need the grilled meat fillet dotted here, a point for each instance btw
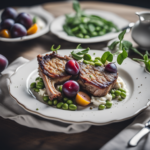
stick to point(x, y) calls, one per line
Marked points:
point(96, 80)
point(52, 71)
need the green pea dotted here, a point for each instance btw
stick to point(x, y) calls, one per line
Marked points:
point(123, 95)
point(60, 88)
point(80, 35)
point(117, 92)
point(72, 107)
point(36, 89)
point(98, 58)
point(122, 90)
point(50, 102)
point(59, 105)
point(119, 99)
point(39, 87)
point(108, 104)
point(69, 101)
point(85, 61)
point(37, 78)
point(75, 29)
point(98, 64)
point(107, 100)
point(101, 107)
point(55, 102)
point(65, 99)
point(65, 106)
point(112, 91)
point(33, 85)
point(113, 96)
point(88, 62)
point(45, 98)
point(87, 57)
point(86, 36)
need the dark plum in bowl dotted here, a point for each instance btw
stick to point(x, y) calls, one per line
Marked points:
point(18, 30)
point(9, 13)
point(24, 19)
point(3, 63)
point(7, 24)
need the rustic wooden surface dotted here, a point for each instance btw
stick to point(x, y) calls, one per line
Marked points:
point(16, 137)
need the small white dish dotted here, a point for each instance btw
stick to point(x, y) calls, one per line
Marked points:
point(57, 27)
point(44, 17)
point(138, 99)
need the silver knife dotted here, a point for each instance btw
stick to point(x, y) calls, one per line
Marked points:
point(134, 141)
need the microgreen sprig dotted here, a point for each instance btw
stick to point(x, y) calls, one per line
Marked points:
point(58, 47)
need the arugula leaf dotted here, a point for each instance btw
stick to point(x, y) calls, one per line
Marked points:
point(106, 56)
point(121, 35)
point(113, 45)
point(122, 56)
point(58, 47)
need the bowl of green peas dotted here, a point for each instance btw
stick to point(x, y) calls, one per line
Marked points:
point(88, 26)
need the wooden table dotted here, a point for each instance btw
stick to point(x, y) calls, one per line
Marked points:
point(17, 137)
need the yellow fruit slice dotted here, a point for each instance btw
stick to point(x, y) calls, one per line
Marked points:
point(33, 29)
point(82, 99)
point(5, 33)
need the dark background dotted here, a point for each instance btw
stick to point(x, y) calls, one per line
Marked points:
point(6, 3)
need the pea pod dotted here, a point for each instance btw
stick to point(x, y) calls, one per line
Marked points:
point(83, 30)
point(80, 35)
point(75, 29)
point(72, 107)
point(106, 56)
point(59, 105)
point(86, 36)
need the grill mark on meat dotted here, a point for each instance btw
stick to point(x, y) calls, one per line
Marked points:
point(53, 65)
point(96, 80)
point(52, 71)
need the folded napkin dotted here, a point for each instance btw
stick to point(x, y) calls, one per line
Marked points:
point(9, 109)
point(120, 142)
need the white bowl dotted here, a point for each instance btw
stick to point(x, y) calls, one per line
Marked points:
point(57, 27)
point(45, 17)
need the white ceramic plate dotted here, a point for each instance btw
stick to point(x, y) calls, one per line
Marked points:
point(44, 17)
point(57, 27)
point(136, 79)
